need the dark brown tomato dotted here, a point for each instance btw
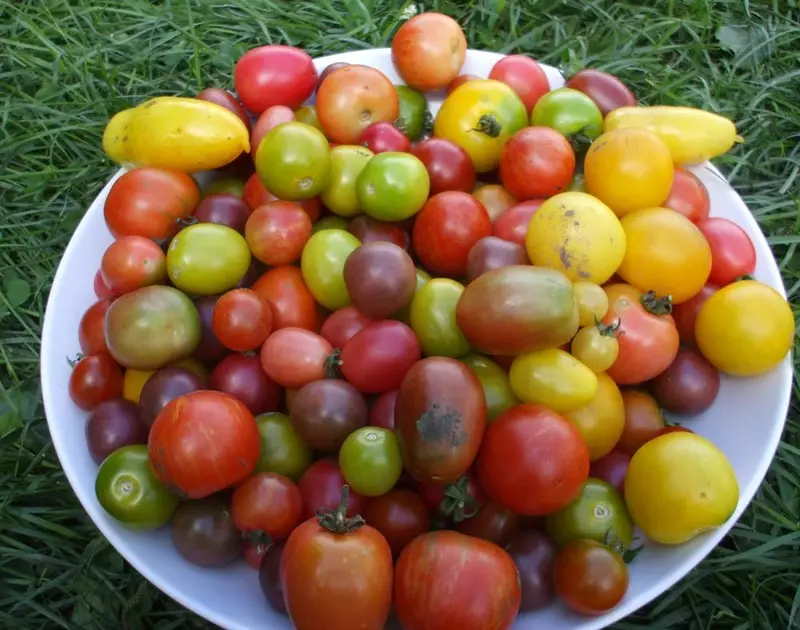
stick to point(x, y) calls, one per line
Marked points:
point(400, 515)
point(341, 325)
point(513, 224)
point(226, 100)
point(534, 554)
point(612, 469)
point(223, 209)
point(492, 252)
point(440, 418)
point(269, 577)
point(203, 532)
point(449, 166)
point(590, 578)
point(380, 278)
point(643, 420)
point(325, 412)
point(91, 330)
point(242, 376)
point(688, 386)
point(381, 414)
point(165, 386)
point(210, 350)
point(369, 230)
point(493, 522)
point(606, 90)
point(113, 424)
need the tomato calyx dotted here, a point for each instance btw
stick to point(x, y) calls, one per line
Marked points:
point(580, 142)
point(336, 521)
point(657, 305)
point(401, 124)
point(746, 276)
point(78, 358)
point(609, 330)
point(427, 123)
point(458, 504)
point(489, 125)
point(333, 364)
point(262, 541)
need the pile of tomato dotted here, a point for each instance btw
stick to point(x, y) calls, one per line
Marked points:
point(410, 362)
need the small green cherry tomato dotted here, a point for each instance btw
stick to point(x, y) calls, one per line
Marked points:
point(293, 161)
point(282, 450)
point(329, 223)
point(569, 112)
point(423, 278)
point(370, 461)
point(433, 319)
point(347, 162)
point(207, 259)
point(494, 381)
point(128, 490)
point(413, 105)
point(393, 186)
point(322, 264)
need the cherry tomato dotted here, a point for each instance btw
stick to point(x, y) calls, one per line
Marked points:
point(227, 100)
point(611, 468)
point(322, 263)
point(643, 420)
point(342, 325)
point(91, 330)
point(554, 378)
point(380, 137)
point(512, 225)
point(495, 199)
point(688, 386)
point(393, 186)
point(496, 387)
point(133, 262)
point(340, 195)
point(685, 315)
point(268, 505)
point(274, 75)
point(277, 232)
point(606, 90)
point(688, 196)
point(241, 320)
point(381, 413)
point(269, 119)
point(242, 377)
point(491, 253)
point(432, 318)
point(163, 387)
point(369, 230)
point(602, 421)
point(256, 195)
point(95, 379)
point(370, 461)
point(100, 289)
point(524, 76)
point(293, 357)
point(321, 489)
point(448, 165)
point(414, 115)
point(380, 278)
point(113, 424)
point(269, 577)
point(400, 515)
point(223, 209)
point(493, 522)
point(328, 69)
point(589, 577)
point(732, 251)
point(534, 555)
point(569, 112)
point(596, 346)
point(592, 302)
point(537, 162)
point(290, 301)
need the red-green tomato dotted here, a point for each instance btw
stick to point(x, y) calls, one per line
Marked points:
point(347, 162)
point(370, 461)
point(393, 186)
point(322, 264)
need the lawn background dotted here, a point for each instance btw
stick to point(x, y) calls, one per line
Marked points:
point(66, 67)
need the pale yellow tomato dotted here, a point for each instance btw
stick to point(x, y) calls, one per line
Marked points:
point(592, 302)
point(602, 421)
point(596, 346)
point(115, 136)
point(552, 378)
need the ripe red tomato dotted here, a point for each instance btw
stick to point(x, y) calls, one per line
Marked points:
point(277, 232)
point(454, 501)
point(590, 578)
point(523, 75)
point(293, 357)
point(274, 75)
point(256, 195)
point(493, 522)
point(267, 504)
point(381, 413)
point(92, 329)
point(685, 314)
point(379, 356)
point(204, 442)
point(449, 166)
point(150, 202)
point(342, 325)
point(400, 515)
point(95, 379)
point(369, 230)
point(133, 262)
point(688, 196)
point(445, 230)
point(732, 251)
point(226, 100)
point(446, 580)
point(321, 489)
point(537, 162)
point(241, 320)
point(269, 118)
point(532, 460)
point(380, 137)
point(100, 289)
point(289, 298)
point(648, 340)
point(512, 225)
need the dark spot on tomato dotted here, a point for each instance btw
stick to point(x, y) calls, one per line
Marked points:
point(436, 425)
point(569, 213)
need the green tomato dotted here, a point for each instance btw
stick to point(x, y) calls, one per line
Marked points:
point(569, 112)
point(330, 223)
point(413, 105)
point(308, 114)
point(322, 264)
point(423, 278)
point(598, 513)
point(433, 319)
point(393, 186)
point(128, 490)
point(282, 450)
point(494, 381)
point(293, 161)
point(347, 162)
point(370, 461)
point(225, 186)
point(206, 259)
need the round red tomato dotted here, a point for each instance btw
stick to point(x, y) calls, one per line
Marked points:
point(269, 118)
point(446, 580)
point(204, 442)
point(289, 298)
point(94, 380)
point(493, 522)
point(91, 330)
point(532, 460)
point(688, 196)
point(277, 232)
point(445, 230)
point(342, 325)
point(293, 357)
point(380, 137)
point(732, 251)
point(274, 75)
point(454, 501)
point(590, 578)
point(685, 314)
point(537, 162)
point(523, 75)
point(268, 506)
point(449, 166)
point(150, 202)
point(256, 195)
point(512, 225)
point(101, 290)
point(400, 515)
point(131, 263)
point(241, 320)
point(321, 489)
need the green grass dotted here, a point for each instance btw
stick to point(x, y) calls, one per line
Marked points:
point(67, 65)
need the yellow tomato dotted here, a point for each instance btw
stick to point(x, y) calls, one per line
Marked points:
point(115, 136)
point(679, 485)
point(745, 329)
point(578, 235)
point(596, 346)
point(666, 253)
point(480, 116)
point(602, 421)
point(629, 169)
point(552, 378)
point(134, 380)
point(592, 302)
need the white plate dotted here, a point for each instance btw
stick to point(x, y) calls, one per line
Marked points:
point(746, 422)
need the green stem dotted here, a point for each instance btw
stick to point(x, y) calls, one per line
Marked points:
point(657, 305)
point(336, 521)
point(489, 125)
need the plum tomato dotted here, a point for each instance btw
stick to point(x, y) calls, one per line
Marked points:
point(289, 298)
point(643, 420)
point(428, 51)
point(732, 251)
point(226, 100)
point(534, 554)
point(370, 461)
point(325, 412)
point(400, 515)
point(274, 75)
point(685, 315)
point(537, 162)
point(282, 450)
point(223, 209)
point(433, 318)
point(113, 424)
point(256, 195)
point(491, 253)
point(322, 264)
point(242, 377)
point(688, 196)
point(688, 386)
point(606, 90)
point(414, 115)
point(163, 387)
point(266, 507)
point(91, 330)
point(393, 186)
point(449, 166)
point(269, 577)
point(133, 262)
point(94, 379)
point(241, 320)
point(340, 195)
point(554, 378)
point(292, 357)
point(533, 460)
point(570, 113)
point(381, 412)
point(269, 119)
point(512, 225)
point(342, 325)
point(380, 137)
point(202, 443)
point(524, 76)
point(611, 468)
point(277, 232)
point(602, 421)
point(446, 229)
point(321, 489)
point(589, 577)
point(380, 278)
point(496, 199)
point(493, 522)
point(204, 533)
point(494, 380)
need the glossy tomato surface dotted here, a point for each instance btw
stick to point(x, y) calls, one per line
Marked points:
point(274, 75)
point(537, 162)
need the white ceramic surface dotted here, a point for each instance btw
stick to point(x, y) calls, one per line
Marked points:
point(746, 422)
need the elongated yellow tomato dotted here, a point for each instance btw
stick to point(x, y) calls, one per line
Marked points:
point(679, 485)
point(553, 378)
point(115, 136)
point(602, 421)
point(692, 135)
point(186, 134)
point(745, 329)
point(480, 116)
point(578, 235)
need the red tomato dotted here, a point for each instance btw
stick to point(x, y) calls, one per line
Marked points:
point(92, 329)
point(380, 137)
point(523, 75)
point(269, 119)
point(494, 523)
point(95, 379)
point(289, 298)
point(369, 230)
point(242, 376)
point(277, 232)
point(293, 357)
point(429, 50)
point(379, 356)
point(458, 81)
point(131, 263)
point(274, 75)
point(400, 515)
point(204, 442)
point(512, 225)
point(241, 320)
point(537, 162)
point(648, 342)
point(445, 580)
point(342, 325)
point(688, 196)
point(150, 202)
point(101, 290)
point(685, 314)
point(455, 501)
point(321, 489)
point(381, 414)
point(606, 90)
point(448, 165)
point(445, 230)
point(532, 460)
point(732, 251)
point(226, 100)
point(256, 195)
point(267, 504)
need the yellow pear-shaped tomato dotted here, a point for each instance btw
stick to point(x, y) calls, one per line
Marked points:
point(115, 136)
point(553, 378)
point(602, 421)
